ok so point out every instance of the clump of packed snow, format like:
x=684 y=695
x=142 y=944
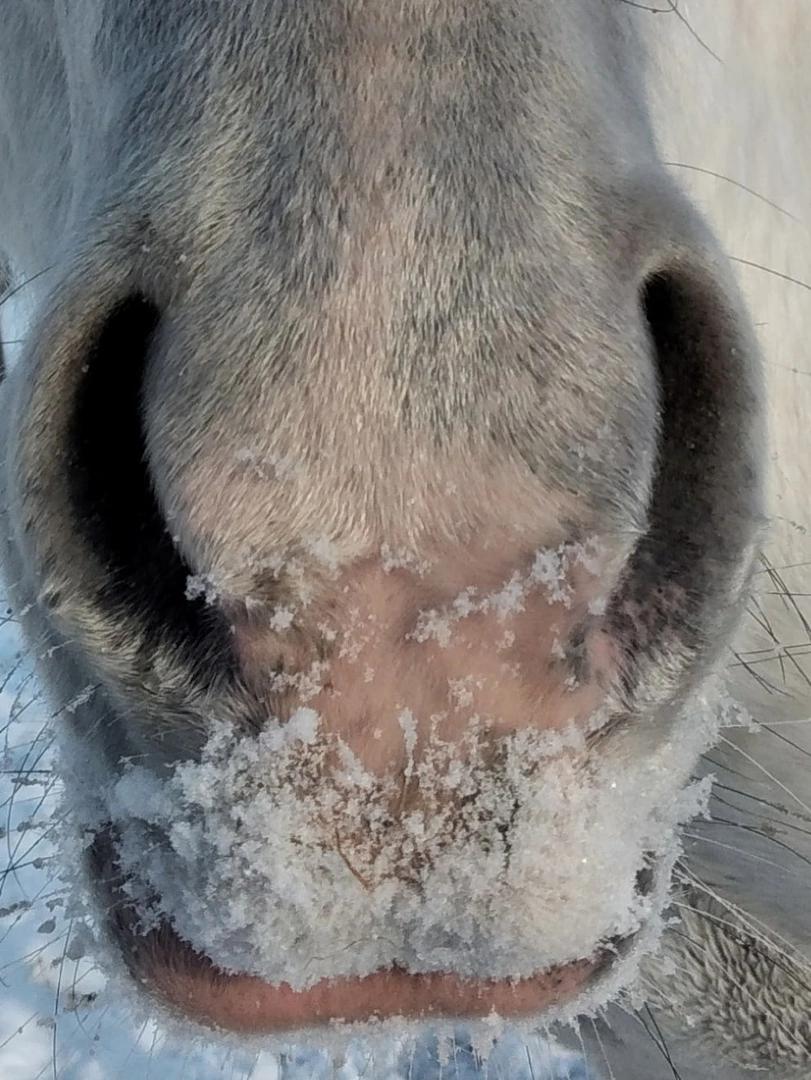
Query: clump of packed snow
x=278 y=854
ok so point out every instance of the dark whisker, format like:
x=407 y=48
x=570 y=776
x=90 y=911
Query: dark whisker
x=734 y=183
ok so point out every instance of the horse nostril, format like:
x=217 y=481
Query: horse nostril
x=110 y=487
x=688 y=571
x=110 y=490
x=702 y=358
x=710 y=410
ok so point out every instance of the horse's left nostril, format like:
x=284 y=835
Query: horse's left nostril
x=709 y=416
x=688 y=573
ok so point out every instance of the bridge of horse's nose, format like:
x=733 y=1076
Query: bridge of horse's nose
x=388 y=653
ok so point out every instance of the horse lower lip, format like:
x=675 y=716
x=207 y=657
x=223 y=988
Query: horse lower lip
x=192 y=985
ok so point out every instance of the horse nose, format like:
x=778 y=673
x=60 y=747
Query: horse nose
x=455 y=575
x=201 y=556
x=520 y=594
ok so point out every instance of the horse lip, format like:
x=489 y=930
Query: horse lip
x=190 y=983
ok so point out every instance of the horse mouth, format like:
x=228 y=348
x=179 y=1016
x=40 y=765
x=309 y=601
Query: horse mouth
x=190 y=984
x=187 y=981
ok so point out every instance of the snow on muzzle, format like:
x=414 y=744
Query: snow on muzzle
x=277 y=883
x=441 y=811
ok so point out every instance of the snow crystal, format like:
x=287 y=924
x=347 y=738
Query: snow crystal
x=80 y=699
x=282 y=619
x=402 y=559
x=557 y=649
x=408 y=726
x=460 y=691
x=509 y=600
x=357 y=635
x=268 y=466
x=432 y=625
x=198 y=585
x=465 y=604
x=549 y=569
x=598 y=605
x=324 y=551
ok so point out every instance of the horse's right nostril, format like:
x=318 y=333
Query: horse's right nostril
x=110 y=491
x=109 y=485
